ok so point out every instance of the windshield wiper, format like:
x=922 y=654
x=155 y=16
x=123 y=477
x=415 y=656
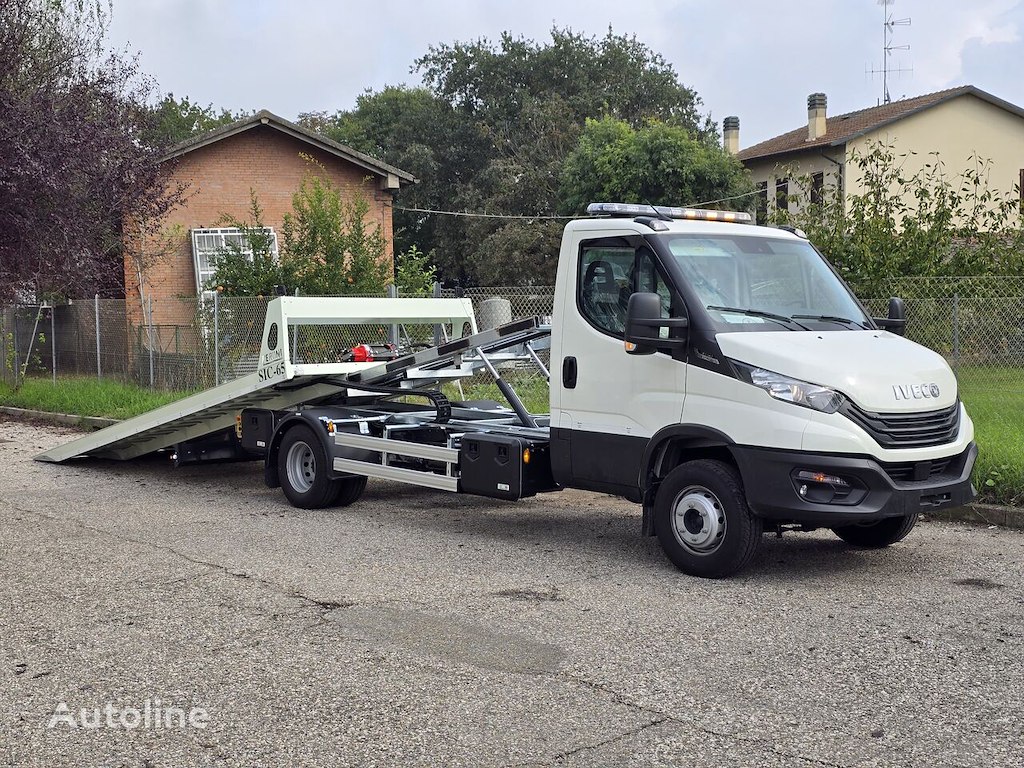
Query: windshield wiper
x=761 y=313
x=833 y=319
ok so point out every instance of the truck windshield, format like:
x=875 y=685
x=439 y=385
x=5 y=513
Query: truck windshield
x=751 y=281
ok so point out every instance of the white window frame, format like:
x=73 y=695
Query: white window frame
x=210 y=242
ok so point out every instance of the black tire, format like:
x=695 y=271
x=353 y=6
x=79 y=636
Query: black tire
x=702 y=519
x=302 y=468
x=349 y=490
x=879 y=534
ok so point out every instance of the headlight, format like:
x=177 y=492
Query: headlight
x=790 y=390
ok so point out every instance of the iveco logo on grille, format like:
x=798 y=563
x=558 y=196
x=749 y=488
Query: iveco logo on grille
x=915 y=391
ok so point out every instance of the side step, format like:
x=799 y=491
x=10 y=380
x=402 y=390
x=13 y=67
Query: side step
x=387 y=447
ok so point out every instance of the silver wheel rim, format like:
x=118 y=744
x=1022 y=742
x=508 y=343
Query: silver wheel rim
x=698 y=520
x=300 y=463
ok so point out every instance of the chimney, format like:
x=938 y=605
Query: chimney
x=731 y=135
x=816 y=104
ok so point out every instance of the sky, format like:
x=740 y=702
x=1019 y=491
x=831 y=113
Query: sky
x=751 y=58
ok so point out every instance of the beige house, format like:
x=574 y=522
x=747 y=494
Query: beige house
x=958 y=123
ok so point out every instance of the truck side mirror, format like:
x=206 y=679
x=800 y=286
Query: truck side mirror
x=644 y=323
x=897 y=319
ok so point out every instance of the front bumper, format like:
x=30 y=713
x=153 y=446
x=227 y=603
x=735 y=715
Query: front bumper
x=875 y=490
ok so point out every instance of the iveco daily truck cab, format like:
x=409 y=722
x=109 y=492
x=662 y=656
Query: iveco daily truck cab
x=724 y=375
x=718 y=373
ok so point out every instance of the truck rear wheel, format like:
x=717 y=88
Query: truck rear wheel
x=879 y=534
x=302 y=467
x=702 y=519
x=349 y=490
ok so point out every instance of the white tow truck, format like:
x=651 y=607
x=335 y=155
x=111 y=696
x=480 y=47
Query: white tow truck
x=719 y=374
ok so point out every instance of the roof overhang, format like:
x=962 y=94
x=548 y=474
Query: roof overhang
x=392 y=178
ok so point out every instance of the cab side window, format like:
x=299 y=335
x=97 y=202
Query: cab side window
x=603 y=286
x=608 y=276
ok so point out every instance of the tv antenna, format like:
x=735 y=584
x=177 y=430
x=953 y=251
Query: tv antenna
x=888 y=25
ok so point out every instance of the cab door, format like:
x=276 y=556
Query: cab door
x=611 y=403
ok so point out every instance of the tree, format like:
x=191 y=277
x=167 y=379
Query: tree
x=928 y=223
x=489 y=133
x=74 y=167
x=656 y=163
x=326 y=248
x=418 y=132
x=414 y=274
x=252 y=270
x=173 y=121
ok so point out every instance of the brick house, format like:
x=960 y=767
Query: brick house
x=957 y=123
x=263 y=154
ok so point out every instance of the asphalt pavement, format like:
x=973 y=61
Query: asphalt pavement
x=152 y=616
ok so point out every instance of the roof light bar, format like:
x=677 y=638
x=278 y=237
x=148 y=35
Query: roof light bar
x=692 y=214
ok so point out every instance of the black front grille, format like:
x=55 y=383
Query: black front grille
x=917 y=471
x=907 y=430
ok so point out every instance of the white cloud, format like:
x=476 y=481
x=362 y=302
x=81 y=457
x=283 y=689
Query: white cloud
x=947 y=28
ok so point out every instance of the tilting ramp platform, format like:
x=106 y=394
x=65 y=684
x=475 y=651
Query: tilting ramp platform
x=280 y=383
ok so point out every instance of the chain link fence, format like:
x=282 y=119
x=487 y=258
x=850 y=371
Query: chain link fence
x=190 y=344
x=977 y=324
x=86 y=337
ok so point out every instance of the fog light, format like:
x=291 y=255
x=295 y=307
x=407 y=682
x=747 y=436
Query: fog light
x=824 y=488
x=821 y=477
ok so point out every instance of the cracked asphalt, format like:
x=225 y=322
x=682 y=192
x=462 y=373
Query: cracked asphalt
x=417 y=628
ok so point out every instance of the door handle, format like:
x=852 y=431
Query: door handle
x=569 y=373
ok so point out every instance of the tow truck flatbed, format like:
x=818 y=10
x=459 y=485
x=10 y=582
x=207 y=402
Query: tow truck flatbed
x=281 y=383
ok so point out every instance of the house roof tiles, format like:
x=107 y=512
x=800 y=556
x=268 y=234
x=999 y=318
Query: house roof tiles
x=842 y=128
x=263 y=117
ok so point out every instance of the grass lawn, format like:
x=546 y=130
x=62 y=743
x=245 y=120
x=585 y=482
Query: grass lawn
x=995 y=401
x=86 y=396
x=994 y=398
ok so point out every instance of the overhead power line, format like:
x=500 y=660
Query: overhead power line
x=520 y=217
x=477 y=215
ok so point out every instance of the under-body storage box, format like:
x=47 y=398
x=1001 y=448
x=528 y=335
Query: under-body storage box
x=257 y=429
x=504 y=466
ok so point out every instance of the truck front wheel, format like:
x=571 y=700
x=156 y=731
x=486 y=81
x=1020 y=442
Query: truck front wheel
x=879 y=534
x=703 y=521
x=302 y=468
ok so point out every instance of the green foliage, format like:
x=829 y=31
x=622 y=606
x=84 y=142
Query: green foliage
x=327 y=245
x=414 y=274
x=489 y=133
x=517 y=253
x=175 y=120
x=326 y=248
x=9 y=359
x=616 y=75
x=656 y=163
x=922 y=224
x=254 y=270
